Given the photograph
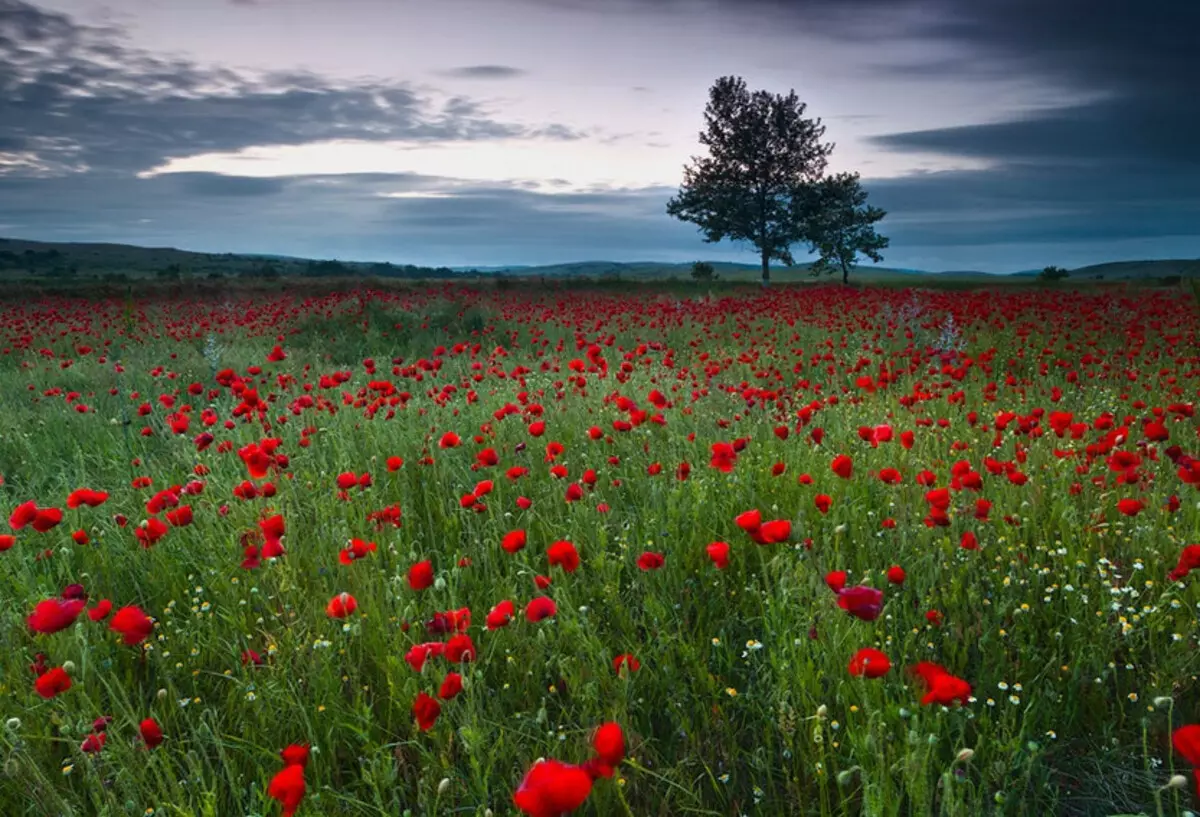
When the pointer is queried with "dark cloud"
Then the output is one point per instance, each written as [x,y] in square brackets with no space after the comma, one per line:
[77,97]
[1118,160]
[484,72]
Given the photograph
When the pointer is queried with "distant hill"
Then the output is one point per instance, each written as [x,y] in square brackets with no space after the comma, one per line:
[65,261]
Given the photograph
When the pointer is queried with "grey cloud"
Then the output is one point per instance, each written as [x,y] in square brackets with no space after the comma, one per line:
[111,107]
[484,72]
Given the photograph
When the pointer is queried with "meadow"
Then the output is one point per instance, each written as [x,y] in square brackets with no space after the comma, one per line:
[450,550]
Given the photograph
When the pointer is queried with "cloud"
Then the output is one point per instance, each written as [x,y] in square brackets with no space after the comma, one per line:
[75,97]
[484,72]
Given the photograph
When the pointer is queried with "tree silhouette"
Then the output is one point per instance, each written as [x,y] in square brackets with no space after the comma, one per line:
[754,184]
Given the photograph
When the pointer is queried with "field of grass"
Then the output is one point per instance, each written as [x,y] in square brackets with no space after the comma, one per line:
[275,520]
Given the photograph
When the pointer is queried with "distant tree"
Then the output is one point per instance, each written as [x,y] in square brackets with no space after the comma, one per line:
[1053,273]
[703,271]
[840,224]
[763,156]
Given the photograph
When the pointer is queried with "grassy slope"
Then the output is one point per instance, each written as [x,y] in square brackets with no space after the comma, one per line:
[99,259]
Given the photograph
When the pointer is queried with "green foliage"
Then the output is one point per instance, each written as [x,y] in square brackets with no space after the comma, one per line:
[1053,273]
[703,271]
[841,224]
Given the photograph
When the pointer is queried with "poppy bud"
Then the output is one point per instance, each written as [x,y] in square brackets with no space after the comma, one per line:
[1177,781]
[964,756]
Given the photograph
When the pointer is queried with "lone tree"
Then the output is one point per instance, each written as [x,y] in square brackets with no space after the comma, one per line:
[753,186]
[703,271]
[841,224]
[1053,273]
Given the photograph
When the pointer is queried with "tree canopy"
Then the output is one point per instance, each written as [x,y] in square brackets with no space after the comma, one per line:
[763,181]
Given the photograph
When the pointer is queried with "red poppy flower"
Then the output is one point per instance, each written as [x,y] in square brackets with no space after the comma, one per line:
[151,733]
[1130,507]
[842,465]
[823,502]
[551,789]
[133,625]
[356,549]
[862,602]
[500,615]
[565,555]
[540,607]
[609,745]
[451,686]
[426,710]
[52,615]
[628,661]
[718,552]
[52,682]
[896,574]
[650,561]
[513,541]
[287,786]
[100,610]
[869,663]
[941,687]
[420,575]
[341,606]
[835,580]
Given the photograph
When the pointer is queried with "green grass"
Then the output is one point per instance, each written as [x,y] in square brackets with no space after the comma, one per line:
[1081,654]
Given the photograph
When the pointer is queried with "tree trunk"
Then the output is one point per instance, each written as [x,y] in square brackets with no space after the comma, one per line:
[766,270]
[845,273]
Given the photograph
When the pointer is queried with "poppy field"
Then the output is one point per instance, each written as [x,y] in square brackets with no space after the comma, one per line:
[453,550]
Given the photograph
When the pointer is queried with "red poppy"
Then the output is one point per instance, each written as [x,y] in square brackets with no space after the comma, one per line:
[862,602]
[869,663]
[718,552]
[626,660]
[52,682]
[356,549]
[500,615]
[1130,507]
[7,540]
[1186,740]
[835,580]
[133,625]
[896,574]
[540,607]
[100,610]
[341,606]
[1189,560]
[823,502]
[287,786]
[565,555]
[551,789]
[426,710]
[151,733]
[451,686]
[650,561]
[609,745]
[940,686]
[460,648]
[842,465]
[513,541]
[420,575]
[52,615]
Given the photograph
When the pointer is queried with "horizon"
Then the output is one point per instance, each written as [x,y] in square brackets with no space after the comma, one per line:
[998,138]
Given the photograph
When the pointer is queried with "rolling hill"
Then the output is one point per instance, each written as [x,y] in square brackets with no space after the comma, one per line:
[22,259]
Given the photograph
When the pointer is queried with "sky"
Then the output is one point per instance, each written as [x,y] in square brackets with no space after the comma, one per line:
[999,135]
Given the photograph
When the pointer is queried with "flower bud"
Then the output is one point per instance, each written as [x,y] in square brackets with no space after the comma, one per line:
[964,756]
[1177,781]
[443,786]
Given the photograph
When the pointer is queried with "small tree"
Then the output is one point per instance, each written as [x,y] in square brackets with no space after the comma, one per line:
[703,271]
[763,155]
[1053,273]
[840,224]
